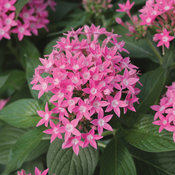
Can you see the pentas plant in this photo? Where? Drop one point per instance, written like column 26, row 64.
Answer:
column 158, row 15
column 37, row 172
column 33, row 16
column 88, row 78
column 165, row 111
column 97, row 6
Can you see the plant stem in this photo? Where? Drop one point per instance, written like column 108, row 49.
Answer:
column 155, row 51
column 102, row 145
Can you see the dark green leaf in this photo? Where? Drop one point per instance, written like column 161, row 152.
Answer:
column 39, row 150
column 49, row 47
column 3, row 79
column 8, row 137
column 65, row 161
column 21, row 113
column 22, row 149
column 19, row 5
column 137, row 48
column 116, row 160
column 154, row 163
column 15, row 79
column 145, row 136
column 153, row 83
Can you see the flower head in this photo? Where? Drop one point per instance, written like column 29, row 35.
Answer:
column 165, row 111
column 84, row 77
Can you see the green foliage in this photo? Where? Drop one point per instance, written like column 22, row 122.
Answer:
column 145, row 136
column 64, row 161
column 19, row 5
column 21, row 113
column 22, row 149
column 116, row 159
column 8, row 137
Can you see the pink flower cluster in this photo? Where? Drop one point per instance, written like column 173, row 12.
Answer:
column 165, row 111
column 32, row 17
column 134, row 27
column 37, row 172
column 86, row 76
column 158, row 15
column 97, row 6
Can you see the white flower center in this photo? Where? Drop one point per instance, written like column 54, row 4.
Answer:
column 164, row 122
column 2, row 32
column 7, row 5
column 167, row 7
column 69, row 127
column 55, row 130
column 21, row 29
column 25, row 15
column 61, row 109
column 49, row 65
column 101, row 67
column 60, row 95
column 93, row 91
column 125, row 82
column 86, row 75
column 165, row 38
column 95, row 77
column 174, row 112
column 76, row 67
column 46, row 116
column 71, row 102
column 162, row 108
column 90, row 137
column 82, row 109
column 74, row 80
column 101, row 122
column 44, row 86
column 148, row 20
column 118, row 46
column 70, row 88
column 114, row 103
column 75, row 141
column 8, row 21
column 96, row 104
column 56, row 81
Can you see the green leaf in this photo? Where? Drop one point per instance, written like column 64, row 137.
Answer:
column 3, row 79
column 116, row 160
column 22, row 149
column 19, row 5
column 39, row 150
column 8, row 137
column 49, row 47
column 153, row 83
column 14, row 80
column 137, row 48
column 21, row 113
column 64, row 161
column 154, row 163
column 145, row 136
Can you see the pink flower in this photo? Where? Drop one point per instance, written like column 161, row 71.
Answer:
column 55, row 131
column 3, row 103
column 69, row 128
column 101, row 122
column 115, row 103
column 37, row 172
column 46, row 116
column 165, row 112
column 164, row 38
column 90, row 138
column 73, row 142
column 125, row 7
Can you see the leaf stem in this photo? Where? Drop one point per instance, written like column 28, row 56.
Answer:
column 102, row 145
column 155, row 51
